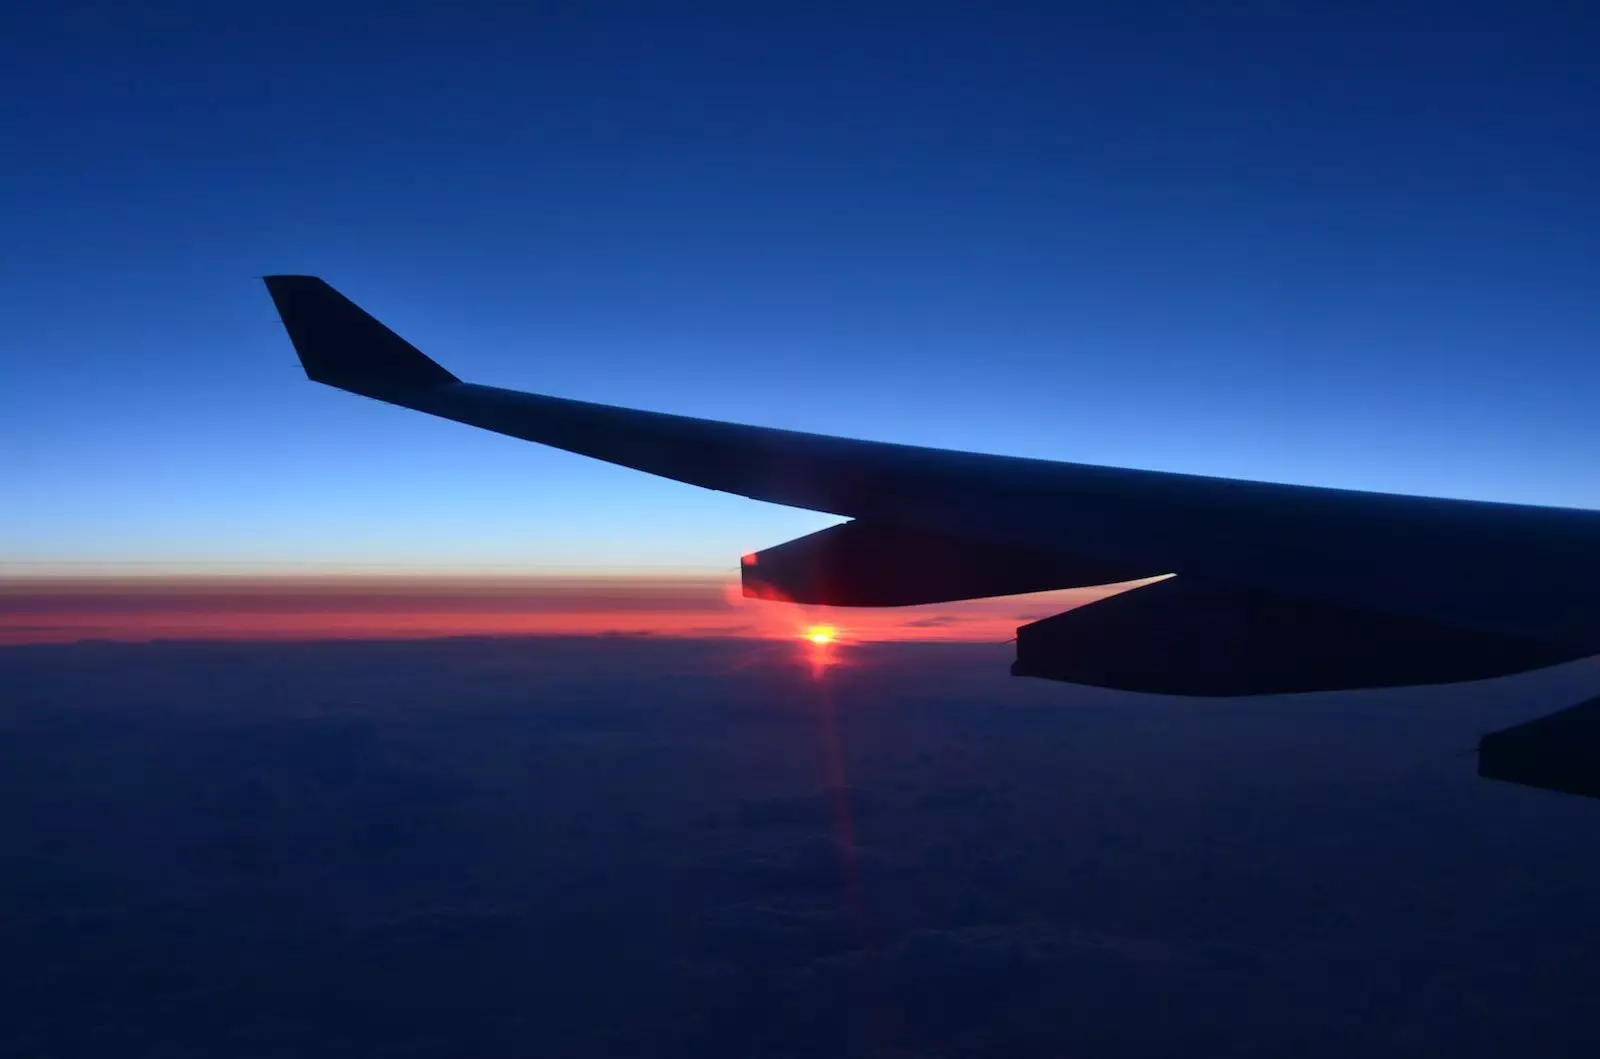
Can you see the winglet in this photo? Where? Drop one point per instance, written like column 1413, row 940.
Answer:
column 340, row 345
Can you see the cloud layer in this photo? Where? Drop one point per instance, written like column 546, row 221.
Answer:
column 668, row 847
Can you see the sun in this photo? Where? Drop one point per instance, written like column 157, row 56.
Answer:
column 822, row 634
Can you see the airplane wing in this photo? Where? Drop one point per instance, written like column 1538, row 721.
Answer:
column 1278, row 587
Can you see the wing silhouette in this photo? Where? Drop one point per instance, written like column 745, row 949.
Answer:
column 1277, row 587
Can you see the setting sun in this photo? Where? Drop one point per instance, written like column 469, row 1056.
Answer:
column 821, row 634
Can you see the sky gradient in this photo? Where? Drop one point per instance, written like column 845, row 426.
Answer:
column 1335, row 246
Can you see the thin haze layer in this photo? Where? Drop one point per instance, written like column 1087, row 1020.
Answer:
column 67, row 609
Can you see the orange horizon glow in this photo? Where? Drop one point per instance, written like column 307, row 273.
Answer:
column 135, row 609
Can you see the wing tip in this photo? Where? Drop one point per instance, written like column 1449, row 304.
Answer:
column 341, row 345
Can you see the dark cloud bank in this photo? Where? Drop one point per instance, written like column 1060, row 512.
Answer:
column 635, row 848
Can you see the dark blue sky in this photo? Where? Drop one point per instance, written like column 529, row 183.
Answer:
column 1288, row 241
